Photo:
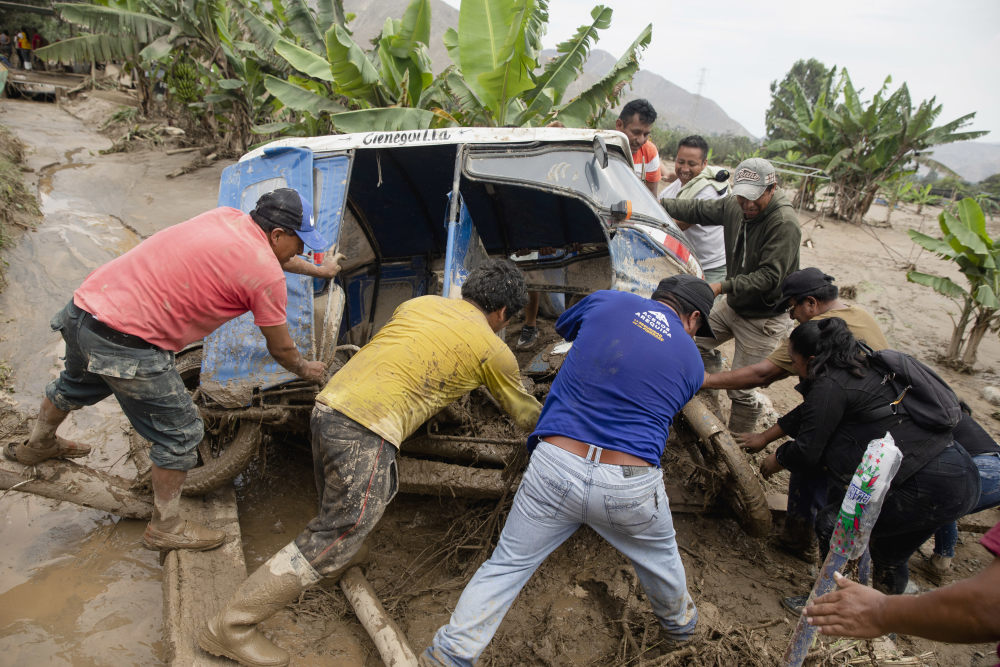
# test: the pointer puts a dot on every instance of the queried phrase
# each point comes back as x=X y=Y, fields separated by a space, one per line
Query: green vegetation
x=964 y=241
x=247 y=67
x=813 y=77
x=18 y=207
x=861 y=144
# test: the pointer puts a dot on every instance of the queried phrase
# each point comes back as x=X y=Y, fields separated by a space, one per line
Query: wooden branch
x=389 y=639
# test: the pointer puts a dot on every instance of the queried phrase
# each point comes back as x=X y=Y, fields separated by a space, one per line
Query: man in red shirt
x=130 y=316
x=636 y=122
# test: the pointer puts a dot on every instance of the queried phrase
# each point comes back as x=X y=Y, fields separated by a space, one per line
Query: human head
x=753 y=185
x=286 y=210
x=497 y=287
x=819 y=345
x=808 y=293
x=691 y=298
x=636 y=122
x=692 y=157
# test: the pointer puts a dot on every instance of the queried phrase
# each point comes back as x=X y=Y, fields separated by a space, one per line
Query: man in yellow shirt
x=433 y=351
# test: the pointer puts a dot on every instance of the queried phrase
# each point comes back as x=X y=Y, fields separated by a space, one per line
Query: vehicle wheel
x=223 y=454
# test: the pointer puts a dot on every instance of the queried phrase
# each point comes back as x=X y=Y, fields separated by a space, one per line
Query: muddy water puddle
x=76 y=586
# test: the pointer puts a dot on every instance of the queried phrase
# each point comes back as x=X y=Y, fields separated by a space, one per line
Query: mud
x=77 y=589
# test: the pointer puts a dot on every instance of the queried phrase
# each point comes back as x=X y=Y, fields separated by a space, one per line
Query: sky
x=736 y=49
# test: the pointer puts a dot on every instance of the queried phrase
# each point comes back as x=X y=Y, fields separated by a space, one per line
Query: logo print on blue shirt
x=654 y=323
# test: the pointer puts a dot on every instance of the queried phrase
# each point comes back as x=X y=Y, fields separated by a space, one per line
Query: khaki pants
x=755 y=340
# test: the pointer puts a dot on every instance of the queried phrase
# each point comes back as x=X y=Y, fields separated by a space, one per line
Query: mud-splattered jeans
x=988 y=465
x=943 y=490
x=145 y=382
x=356 y=478
x=560 y=491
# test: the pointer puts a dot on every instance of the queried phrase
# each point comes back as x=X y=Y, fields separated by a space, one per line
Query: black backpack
x=920 y=392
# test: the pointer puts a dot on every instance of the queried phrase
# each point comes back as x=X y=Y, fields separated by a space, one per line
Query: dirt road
x=76 y=588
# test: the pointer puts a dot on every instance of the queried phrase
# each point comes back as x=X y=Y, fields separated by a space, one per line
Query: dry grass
x=18 y=206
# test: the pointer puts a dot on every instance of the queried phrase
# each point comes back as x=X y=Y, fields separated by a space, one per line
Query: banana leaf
x=299 y=98
x=939 y=284
x=385 y=120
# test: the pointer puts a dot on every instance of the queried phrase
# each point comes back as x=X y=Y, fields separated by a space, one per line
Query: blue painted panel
x=236 y=359
x=329 y=196
x=464 y=250
x=637 y=261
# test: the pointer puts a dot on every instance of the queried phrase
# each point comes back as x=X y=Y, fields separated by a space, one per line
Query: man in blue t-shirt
x=595 y=459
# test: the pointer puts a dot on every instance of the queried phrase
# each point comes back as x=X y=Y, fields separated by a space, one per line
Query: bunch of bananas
x=184 y=81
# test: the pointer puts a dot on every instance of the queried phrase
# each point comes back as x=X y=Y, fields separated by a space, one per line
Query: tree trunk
x=392 y=645
x=979 y=329
x=74 y=483
x=958 y=333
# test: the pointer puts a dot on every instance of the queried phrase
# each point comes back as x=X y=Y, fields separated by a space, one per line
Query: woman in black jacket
x=842 y=411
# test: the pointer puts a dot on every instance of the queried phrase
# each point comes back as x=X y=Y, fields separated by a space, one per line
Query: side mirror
x=621 y=210
x=601 y=151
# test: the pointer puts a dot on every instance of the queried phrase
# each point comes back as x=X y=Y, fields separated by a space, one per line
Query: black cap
x=803 y=283
x=693 y=292
x=286 y=208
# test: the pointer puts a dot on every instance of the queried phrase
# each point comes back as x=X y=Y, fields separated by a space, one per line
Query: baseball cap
x=694 y=292
x=753 y=176
x=286 y=208
x=803 y=283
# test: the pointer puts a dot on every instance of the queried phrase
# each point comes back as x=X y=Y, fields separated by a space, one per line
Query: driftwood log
x=387 y=636
x=74 y=483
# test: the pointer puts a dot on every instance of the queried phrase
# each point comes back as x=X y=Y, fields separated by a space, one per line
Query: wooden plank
x=197 y=583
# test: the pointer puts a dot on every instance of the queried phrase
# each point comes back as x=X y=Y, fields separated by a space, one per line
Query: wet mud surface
x=76 y=587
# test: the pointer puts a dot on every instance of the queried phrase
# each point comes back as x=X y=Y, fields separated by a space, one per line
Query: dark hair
x=828 y=343
x=827 y=292
x=264 y=223
x=695 y=141
x=494 y=284
x=647 y=114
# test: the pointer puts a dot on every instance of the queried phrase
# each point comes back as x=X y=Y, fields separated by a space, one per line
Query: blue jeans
x=560 y=491
x=946 y=536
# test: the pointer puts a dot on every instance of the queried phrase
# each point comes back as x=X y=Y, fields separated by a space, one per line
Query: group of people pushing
x=596 y=444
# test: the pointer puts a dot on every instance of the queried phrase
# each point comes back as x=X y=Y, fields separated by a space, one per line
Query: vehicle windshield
x=571 y=167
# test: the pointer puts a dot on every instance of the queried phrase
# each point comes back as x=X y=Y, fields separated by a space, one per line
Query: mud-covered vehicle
x=414 y=212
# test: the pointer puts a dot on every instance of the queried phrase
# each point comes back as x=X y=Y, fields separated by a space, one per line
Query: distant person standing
x=37 y=42
x=23 y=48
x=696 y=180
x=636 y=122
x=6 y=47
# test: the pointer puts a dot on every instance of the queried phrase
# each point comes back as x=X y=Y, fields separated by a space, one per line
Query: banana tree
x=964 y=241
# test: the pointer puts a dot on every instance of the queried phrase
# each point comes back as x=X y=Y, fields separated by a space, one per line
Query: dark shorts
x=356 y=477
x=145 y=382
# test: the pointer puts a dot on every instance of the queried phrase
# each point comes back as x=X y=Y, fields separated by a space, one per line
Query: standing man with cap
x=636 y=122
x=128 y=318
x=762 y=238
x=595 y=461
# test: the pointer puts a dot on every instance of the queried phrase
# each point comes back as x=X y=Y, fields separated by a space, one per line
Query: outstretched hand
x=853 y=610
x=770 y=466
x=752 y=442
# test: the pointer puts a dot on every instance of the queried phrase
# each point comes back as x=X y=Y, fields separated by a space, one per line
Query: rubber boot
x=167 y=530
x=44 y=444
x=743 y=418
x=233 y=633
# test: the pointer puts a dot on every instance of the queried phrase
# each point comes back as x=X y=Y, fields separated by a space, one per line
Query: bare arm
x=329 y=269
x=754 y=442
x=281 y=346
x=652 y=186
x=968 y=611
x=761 y=374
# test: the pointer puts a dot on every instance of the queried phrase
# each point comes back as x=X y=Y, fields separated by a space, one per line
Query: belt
x=113 y=335
x=597 y=454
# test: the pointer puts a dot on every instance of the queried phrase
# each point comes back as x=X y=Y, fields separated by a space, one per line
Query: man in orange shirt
x=636 y=122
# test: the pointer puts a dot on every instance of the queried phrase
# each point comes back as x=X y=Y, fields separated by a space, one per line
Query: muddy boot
x=743 y=418
x=359 y=557
x=233 y=633
x=44 y=444
x=797 y=538
x=167 y=530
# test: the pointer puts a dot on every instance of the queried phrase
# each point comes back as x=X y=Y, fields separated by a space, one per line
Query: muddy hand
x=314 y=371
x=752 y=442
x=331 y=265
x=770 y=466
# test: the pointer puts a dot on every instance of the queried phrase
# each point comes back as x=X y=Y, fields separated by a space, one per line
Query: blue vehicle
x=414 y=212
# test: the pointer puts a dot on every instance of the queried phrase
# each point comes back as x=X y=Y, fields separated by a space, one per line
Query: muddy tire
x=218 y=462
